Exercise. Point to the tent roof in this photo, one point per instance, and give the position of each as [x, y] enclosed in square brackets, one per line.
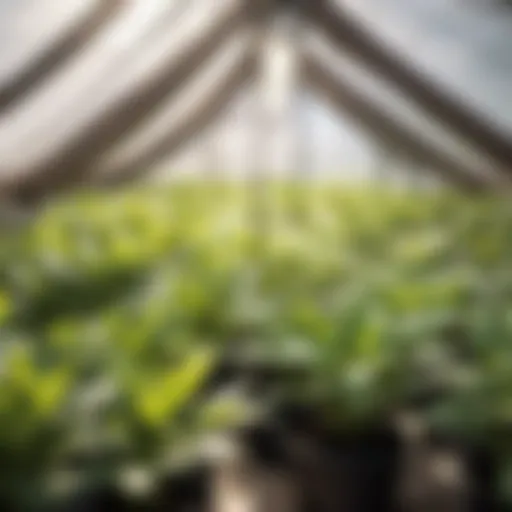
[97, 57]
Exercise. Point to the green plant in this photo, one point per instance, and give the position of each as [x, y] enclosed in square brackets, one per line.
[115, 308]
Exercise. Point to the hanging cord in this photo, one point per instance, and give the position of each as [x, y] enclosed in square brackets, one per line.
[258, 180]
[303, 133]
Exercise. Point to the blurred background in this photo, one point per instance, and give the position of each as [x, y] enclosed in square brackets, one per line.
[255, 255]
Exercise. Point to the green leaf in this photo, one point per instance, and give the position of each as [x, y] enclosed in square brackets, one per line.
[159, 399]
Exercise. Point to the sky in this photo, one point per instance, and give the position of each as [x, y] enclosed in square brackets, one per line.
[463, 44]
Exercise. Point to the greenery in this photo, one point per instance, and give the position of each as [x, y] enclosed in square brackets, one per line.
[115, 309]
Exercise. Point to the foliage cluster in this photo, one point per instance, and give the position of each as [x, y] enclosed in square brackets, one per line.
[115, 310]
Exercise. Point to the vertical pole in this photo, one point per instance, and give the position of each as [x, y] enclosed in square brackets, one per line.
[286, 101]
[258, 179]
[283, 91]
[302, 132]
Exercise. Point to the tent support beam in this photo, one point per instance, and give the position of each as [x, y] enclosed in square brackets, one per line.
[379, 124]
[349, 35]
[58, 53]
[77, 160]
